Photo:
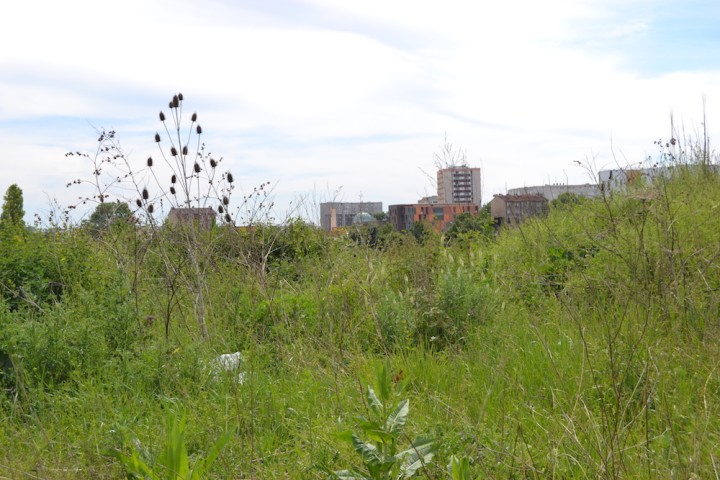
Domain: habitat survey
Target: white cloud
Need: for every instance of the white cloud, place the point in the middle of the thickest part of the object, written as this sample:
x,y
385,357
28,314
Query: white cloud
x,y
356,94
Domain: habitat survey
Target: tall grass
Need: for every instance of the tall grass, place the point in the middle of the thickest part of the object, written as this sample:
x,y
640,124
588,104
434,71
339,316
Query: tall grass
x,y
581,345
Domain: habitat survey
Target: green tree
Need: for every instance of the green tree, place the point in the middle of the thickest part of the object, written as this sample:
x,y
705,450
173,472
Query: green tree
x,y
566,200
107,215
421,231
12,209
381,216
467,225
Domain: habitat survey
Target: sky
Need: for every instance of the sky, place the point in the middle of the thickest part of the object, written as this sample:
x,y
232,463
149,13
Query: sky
x,y
350,101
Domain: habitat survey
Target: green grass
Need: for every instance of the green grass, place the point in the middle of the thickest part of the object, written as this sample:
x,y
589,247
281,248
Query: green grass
x,y
581,345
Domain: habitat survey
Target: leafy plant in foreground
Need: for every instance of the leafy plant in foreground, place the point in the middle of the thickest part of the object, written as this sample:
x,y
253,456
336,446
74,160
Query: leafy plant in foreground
x,y
459,468
173,462
380,455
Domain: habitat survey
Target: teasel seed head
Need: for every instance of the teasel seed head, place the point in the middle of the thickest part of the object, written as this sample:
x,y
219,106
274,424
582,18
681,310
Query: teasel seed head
x,y
194,117
157,137
180,96
198,129
145,194
226,200
221,209
197,167
227,218
176,101
185,150
149,162
172,190
173,151
229,177
173,179
162,116
138,202
150,208
213,163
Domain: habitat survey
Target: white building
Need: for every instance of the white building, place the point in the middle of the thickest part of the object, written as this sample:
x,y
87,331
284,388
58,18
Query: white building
x,y
551,192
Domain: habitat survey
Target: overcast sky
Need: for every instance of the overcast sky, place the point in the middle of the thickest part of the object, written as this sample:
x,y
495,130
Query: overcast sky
x,y
349,100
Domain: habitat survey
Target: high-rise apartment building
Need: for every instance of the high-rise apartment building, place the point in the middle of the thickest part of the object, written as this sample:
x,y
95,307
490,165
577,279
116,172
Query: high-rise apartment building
x,y
459,185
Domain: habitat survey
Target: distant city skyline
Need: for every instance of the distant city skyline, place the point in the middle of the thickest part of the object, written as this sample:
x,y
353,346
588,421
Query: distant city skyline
x,y
338,101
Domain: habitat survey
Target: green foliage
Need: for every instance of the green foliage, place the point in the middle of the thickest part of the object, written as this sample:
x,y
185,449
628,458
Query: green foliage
x,y
567,200
381,216
37,268
374,235
422,231
583,344
381,454
459,468
173,462
109,215
467,227
12,209
463,299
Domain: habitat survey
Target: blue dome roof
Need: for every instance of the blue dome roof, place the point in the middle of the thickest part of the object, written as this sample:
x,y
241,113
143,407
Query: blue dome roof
x,y
362,217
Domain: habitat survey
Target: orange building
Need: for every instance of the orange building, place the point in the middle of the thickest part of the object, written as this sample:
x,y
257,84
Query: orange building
x,y
439,215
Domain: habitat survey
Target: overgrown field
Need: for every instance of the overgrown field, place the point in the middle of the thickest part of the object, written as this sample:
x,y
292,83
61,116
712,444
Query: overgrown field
x,y
584,344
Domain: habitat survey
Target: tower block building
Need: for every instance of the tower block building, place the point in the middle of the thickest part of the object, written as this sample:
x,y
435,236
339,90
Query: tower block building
x,y
459,185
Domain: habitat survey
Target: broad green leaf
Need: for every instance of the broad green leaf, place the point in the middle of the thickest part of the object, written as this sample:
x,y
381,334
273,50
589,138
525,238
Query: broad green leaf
x,y
346,436
459,468
349,475
382,382
379,437
174,457
374,402
396,420
367,451
375,432
420,453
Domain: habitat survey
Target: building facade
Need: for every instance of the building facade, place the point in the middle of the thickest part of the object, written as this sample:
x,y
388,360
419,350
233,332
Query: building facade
x,y
341,214
459,185
551,192
514,209
203,217
440,216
